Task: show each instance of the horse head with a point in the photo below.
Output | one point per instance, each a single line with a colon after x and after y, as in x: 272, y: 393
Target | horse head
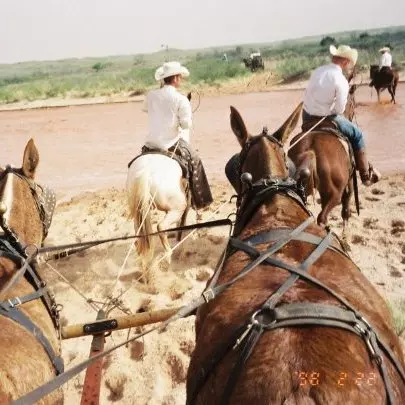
x: 26, y: 210
x: 263, y: 155
x: 24, y: 203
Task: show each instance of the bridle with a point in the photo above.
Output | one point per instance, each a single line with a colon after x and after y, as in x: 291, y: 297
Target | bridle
x: 272, y: 314
x: 44, y: 199
x: 254, y: 194
x: 13, y: 249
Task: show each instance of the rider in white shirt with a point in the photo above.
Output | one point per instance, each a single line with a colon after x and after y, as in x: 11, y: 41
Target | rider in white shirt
x: 170, y: 121
x: 385, y: 58
x: 326, y: 95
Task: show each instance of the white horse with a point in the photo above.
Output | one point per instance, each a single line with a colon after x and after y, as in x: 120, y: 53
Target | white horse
x: 156, y: 181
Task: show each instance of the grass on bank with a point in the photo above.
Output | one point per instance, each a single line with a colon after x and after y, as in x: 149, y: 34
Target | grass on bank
x: 89, y: 77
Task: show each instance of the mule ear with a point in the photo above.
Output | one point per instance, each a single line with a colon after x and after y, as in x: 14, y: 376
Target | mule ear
x: 30, y: 159
x: 238, y: 126
x: 189, y: 96
x: 285, y: 130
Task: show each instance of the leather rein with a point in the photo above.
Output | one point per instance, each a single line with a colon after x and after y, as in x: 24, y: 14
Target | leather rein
x: 271, y: 315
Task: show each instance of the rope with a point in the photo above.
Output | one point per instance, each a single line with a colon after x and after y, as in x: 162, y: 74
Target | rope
x: 16, y: 277
x: 306, y: 133
x: 151, y: 203
x: 187, y: 236
x: 309, y: 130
x: 175, y: 247
x: 199, y: 100
x: 89, y: 301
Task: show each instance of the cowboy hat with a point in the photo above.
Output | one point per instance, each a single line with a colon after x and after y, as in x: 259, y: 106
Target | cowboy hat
x: 344, y: 51
x: 384, y: 49
x: 171, y: 69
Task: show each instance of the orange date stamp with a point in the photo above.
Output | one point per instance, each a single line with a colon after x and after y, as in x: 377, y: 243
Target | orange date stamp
x: 340, y: 378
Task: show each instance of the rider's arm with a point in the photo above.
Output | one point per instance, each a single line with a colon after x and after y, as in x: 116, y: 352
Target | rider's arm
x: 341, y: 94
x: 185, y: 113
x: 381, y: 61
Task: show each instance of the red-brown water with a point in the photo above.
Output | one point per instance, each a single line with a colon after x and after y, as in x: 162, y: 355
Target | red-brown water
x: 88, y: 147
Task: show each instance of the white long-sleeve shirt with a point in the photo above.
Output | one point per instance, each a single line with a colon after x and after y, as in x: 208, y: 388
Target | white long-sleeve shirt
x: 327, y: 91
x: 170, y: 117
x: 385, y: 59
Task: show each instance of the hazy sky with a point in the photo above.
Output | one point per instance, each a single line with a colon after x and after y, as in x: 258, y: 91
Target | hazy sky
x: 54, y: 29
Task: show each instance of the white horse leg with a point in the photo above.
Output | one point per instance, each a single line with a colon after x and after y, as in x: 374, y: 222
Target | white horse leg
x: 172, y: 218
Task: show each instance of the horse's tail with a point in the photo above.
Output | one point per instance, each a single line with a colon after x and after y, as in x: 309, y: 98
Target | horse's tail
x: 140, y: 206
x: 306, y: 171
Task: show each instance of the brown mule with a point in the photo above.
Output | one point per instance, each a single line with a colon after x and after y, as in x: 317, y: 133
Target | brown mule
x: 324, y: 164
x: 26, y: 361
x: 236, y: 361
x: 385, y: 78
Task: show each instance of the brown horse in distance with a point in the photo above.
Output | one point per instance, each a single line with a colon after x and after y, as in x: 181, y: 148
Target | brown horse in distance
x: 382, y: 79
x: 24, y: 363
x: 323, y: 163
x: 300, y: 365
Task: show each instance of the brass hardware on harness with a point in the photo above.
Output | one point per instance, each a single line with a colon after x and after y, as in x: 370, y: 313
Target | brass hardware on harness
x: 3, y: 208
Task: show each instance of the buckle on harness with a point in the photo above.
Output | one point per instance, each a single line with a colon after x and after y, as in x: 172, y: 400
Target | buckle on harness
x: 14, y: 302
x: 208, y: 295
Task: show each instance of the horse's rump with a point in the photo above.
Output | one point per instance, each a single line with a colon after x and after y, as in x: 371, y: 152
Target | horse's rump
x: 328, y: 131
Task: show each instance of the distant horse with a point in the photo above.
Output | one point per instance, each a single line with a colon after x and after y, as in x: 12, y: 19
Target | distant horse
x: 29, y: 345
x: 302, y: 327
x: 385, y: 78
x: 323, y: 162
x: 254, y: 63
x: 156, y: 181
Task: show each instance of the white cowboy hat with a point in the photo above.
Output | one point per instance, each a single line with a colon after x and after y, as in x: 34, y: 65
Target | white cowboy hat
x: 384, y: 49
x: 171, y: 69
x: 344, y: 51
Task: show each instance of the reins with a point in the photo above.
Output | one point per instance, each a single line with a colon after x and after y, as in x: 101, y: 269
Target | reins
x: 72, y: 248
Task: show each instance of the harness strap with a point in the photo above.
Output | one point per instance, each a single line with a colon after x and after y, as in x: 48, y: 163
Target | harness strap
x: 32, y: 277
x: 277, y: 234
x: 306, y: 264
x: 16, y: 301
x: 21, y: 319
x: 210, y: 293
x: 250, y: 343
x: 256, y: 329
x: 374, y: 342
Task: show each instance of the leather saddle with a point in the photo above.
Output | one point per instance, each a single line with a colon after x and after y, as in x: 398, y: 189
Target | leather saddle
x: 178, y: 157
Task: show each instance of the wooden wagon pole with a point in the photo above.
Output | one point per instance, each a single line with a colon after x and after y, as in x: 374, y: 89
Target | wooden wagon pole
x: 117, y: 323
x: 92, y: 381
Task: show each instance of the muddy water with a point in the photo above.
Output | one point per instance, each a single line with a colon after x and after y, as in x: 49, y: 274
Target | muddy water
x: 88, y: 147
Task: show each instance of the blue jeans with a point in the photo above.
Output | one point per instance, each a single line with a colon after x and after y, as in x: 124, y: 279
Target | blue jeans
x: 347, y: 128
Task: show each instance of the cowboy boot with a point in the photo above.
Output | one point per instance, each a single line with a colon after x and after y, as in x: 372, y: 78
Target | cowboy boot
x: 368, y: 174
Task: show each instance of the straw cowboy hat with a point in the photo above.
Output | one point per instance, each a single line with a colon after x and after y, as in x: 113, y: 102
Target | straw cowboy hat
x: 171, y: 69
x: 344, y: 51
x: 384, y: 49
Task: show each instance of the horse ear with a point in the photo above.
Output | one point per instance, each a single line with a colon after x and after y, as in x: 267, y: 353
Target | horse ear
x: 238, y: 126
x: 285, y: 130
x: 189, y: 96
x: 30, y: 159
